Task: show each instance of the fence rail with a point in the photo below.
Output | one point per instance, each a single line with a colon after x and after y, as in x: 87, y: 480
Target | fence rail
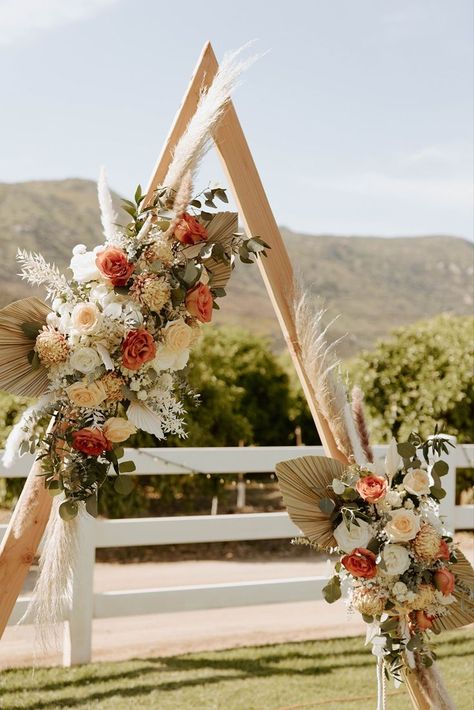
x: 87, y: 605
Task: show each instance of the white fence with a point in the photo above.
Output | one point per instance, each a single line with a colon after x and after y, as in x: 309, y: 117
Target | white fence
x: 87, y: 605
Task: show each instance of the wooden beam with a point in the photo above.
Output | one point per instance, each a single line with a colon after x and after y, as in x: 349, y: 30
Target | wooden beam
x: 19, y: 545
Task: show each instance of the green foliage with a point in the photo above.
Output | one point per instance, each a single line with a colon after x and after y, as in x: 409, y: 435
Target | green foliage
x: 418, y: 378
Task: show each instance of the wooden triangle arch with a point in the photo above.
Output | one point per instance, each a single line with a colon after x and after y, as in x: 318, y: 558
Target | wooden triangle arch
x: 31, y: 514
x: 32, y: 511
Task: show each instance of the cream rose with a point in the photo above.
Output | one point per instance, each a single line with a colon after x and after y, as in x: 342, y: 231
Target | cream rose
x: 86, y: 395
x: 83, y: 264
x: 178, y: 336
x: 396, y: 559
x: 85, y: 318
x: 358, y: 535
x: 85, y: 360
x: 117, y: 429
x: 403, y: 526
x: 417, y: 482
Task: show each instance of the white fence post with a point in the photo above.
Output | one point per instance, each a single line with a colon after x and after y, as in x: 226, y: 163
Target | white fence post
x: 78, y: 627
x: 447, y: 507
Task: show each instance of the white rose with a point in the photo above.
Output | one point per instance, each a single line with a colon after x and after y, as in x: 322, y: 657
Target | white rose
x: 113, y: 311
x: 83, y: 266
x: 358, y: 535
x: 403, y: 526
x: 417, y: 482
x: 85, y: 360
x: 396, y: 559
x: 394, y: 499
x: 399, y: 589
x: 168, y: 360
x: 85, y: 318
x: 430, y: 517
x: 100, y: 292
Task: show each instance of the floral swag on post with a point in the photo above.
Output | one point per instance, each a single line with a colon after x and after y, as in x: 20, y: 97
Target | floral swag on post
x: 405, y: 575
x: 108, y: 358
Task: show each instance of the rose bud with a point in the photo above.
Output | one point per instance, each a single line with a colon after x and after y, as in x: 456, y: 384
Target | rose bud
x: 423, y: 620
x: 444, y: 581
x: 189, y: 230
x: 443, y: 552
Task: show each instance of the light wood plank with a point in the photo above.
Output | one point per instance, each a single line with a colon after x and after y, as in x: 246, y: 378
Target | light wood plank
x: 19, y: 544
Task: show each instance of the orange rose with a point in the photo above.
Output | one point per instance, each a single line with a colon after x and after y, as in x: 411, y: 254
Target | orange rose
x: 360, y: 563
x: 199, y: 303
x: 138, y: 348
x: 189, y: 230
x: 371, y: 488
x: 91, y: 442
x: 444, y: 581
x: 114, y: 265
x: 443, y: 552
x: 422, y: 620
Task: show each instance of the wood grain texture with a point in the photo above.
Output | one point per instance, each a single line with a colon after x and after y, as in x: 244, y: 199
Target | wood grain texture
x: 18, y: 547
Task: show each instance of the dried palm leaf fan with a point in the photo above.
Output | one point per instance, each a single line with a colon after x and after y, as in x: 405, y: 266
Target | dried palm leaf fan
x: 461, y: 612
x: 303, y: 483
x: 19, y: 323
x: 220, y: 230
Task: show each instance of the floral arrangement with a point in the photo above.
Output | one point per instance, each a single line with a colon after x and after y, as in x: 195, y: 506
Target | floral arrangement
x: 401, y: 568
x: 395, y: 553
x: 120, y: 332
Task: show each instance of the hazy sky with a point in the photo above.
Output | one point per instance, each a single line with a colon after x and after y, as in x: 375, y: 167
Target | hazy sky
x: 359, y: 117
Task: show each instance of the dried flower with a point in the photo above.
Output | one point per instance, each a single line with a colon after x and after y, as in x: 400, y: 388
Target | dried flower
x: 112, y: 384
x: 424, y: 597
x: 368, y: 600
x: 160, y: 250
x: 427, y: 543
x: 52, y: 347
x: 152, y: 291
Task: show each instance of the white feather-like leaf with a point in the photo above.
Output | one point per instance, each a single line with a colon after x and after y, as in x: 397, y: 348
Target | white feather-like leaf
x: 108, y: 216
x: 145, y: 419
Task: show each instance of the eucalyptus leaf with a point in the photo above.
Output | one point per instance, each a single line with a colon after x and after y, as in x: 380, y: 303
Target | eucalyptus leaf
x: 68, y: 510
x: 124, y: 485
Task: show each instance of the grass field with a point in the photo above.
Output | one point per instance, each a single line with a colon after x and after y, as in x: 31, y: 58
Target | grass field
x: 333, y: 673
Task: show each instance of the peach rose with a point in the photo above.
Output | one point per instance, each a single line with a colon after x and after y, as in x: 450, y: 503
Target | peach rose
x: 403, y: 525
x: 86, y: 395
x: 178, y: 336
x: 138, y: 348
x: 85, y: 318
x: 360, y: 563
x: 114, y: 265
x: 444, y: 581
x: 91, y: 442
x: 199, y: 303
x: 443, y: 552
x: 422, y: 620
x: 117, y: 429
x: 371, y: 488
x: 189, y: 230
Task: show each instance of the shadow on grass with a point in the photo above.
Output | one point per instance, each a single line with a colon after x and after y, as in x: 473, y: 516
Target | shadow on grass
x: 223, y: 670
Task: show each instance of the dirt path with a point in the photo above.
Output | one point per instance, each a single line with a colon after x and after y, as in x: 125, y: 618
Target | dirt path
x: 169, y: 634
x: 187, y: 631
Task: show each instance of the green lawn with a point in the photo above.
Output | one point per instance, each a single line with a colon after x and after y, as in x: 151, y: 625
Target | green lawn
x: 334, y: 674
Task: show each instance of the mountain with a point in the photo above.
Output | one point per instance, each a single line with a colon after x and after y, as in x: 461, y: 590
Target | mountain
x: 375, y: 283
